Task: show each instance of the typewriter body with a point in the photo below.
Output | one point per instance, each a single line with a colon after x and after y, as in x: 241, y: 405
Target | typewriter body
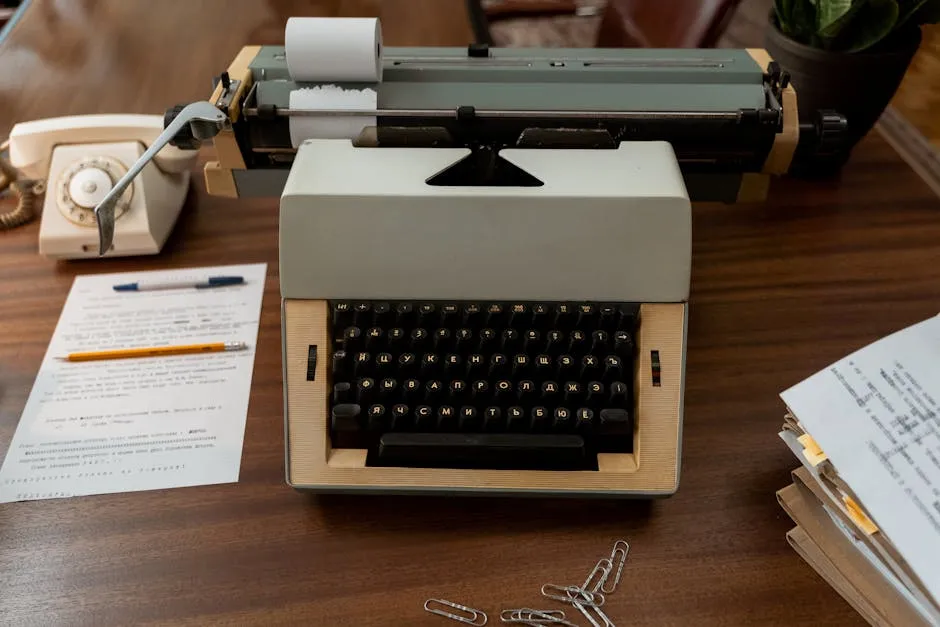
x: 485, y: 291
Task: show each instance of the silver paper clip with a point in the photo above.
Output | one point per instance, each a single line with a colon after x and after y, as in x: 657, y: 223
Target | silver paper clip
x: 526, y: 613
x: 618, y: 557
x: 598, y: 577
x: 587, y: 609
x: 528, y: 616
x: 572, y: 594
x: 470, y: 617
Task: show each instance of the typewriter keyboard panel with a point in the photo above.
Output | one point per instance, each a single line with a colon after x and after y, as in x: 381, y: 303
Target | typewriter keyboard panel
x: 493, y: 385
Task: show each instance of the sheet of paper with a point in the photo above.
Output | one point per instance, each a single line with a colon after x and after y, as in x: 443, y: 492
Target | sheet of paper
x: 126, y: 425
x: 876, y: 414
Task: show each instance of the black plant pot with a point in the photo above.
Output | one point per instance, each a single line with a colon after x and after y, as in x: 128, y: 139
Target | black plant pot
x: 859, y: 85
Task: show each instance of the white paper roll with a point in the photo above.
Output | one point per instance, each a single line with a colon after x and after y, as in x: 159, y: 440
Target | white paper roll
x: 330, y: 126
x: 331, y: 49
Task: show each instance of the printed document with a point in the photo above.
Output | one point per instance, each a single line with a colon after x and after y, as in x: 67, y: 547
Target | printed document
x: 125, y: 425
x: 876, y: 415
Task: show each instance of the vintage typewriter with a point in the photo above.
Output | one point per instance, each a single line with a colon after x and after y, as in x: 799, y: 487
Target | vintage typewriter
x: 486, y: 289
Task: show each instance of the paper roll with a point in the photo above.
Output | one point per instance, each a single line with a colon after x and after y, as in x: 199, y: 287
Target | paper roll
x: 330, y: 49
x: 330, y: 126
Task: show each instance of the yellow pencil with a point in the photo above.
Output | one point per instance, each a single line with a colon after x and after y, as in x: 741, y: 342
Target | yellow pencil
x: 188, y: 349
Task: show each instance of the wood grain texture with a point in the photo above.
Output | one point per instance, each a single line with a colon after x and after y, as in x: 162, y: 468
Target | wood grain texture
x: 918, y: 96
x: 778, y: 290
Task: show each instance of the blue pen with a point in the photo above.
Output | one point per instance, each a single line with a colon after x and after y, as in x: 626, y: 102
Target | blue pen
x: 149, y: 286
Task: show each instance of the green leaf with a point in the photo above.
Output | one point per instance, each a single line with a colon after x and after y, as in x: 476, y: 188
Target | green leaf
x: 830, y: 16
x: 875, y: 20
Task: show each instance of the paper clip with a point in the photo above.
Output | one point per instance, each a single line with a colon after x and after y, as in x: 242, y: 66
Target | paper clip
x: 584, y: 610
x: 471, y: 618
x: 528, y: 616
x: 619, y: 557
x: 598, y: 575
x: 572, y: 594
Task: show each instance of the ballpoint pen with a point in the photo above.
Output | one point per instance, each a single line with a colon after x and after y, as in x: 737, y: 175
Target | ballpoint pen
x: 156, y: 351
x: 210, y: 282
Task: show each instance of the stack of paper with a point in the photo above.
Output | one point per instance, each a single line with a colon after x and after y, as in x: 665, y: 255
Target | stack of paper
x: 866, y: 500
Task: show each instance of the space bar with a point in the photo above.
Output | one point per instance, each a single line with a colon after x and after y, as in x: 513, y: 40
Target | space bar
x: 496, y: 451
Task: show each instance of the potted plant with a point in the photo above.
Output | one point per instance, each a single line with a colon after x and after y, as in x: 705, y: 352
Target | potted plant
x: 847, y: 55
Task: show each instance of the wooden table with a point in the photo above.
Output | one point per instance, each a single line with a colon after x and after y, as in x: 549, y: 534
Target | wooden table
x: 779, y: 291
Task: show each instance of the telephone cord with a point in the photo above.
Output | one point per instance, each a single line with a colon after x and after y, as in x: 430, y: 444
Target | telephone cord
x: 25, y: 190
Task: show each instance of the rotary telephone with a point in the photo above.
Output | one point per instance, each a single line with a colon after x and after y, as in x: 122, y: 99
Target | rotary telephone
x: 81, y: 159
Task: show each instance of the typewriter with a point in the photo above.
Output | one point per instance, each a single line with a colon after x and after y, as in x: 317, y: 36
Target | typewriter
x: 485, y: 291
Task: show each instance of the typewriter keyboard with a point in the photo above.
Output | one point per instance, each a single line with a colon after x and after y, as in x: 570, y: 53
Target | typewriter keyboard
x: 496, y: 385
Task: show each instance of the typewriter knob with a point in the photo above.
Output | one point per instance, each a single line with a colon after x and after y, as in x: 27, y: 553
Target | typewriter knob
x: 185, y: 139
x: 833, y: 132
x: 823, y: 144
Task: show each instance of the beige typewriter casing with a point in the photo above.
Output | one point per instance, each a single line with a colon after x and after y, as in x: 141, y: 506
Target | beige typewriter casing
x: 618, y: 227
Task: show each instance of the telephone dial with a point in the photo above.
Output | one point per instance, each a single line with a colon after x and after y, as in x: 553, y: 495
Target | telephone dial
x: 83, y: 160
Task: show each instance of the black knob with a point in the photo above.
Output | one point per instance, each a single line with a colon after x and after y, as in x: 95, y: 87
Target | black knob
x: 184, y: 139
x: 823, y: 144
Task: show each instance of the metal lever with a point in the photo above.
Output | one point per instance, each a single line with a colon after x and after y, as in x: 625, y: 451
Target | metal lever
x: 205, y: 119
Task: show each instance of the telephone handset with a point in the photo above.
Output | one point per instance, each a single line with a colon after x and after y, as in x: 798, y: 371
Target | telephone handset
x: 82, y: 159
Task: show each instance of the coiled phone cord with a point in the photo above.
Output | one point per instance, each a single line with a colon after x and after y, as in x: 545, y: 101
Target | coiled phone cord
x: 25, y: 190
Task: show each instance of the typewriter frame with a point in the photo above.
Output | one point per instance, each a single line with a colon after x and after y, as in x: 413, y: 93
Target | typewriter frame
x: 652, y: 470
x: 233, y: 157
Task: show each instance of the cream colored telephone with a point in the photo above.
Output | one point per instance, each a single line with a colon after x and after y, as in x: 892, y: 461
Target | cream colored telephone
x: 82, y: 158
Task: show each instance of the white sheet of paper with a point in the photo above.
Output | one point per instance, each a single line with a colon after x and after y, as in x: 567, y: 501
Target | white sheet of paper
x: 876, y: 415
x: 126, y: 425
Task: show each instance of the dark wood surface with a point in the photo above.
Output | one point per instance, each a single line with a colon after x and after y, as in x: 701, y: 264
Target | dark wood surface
x: 779, y: 291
